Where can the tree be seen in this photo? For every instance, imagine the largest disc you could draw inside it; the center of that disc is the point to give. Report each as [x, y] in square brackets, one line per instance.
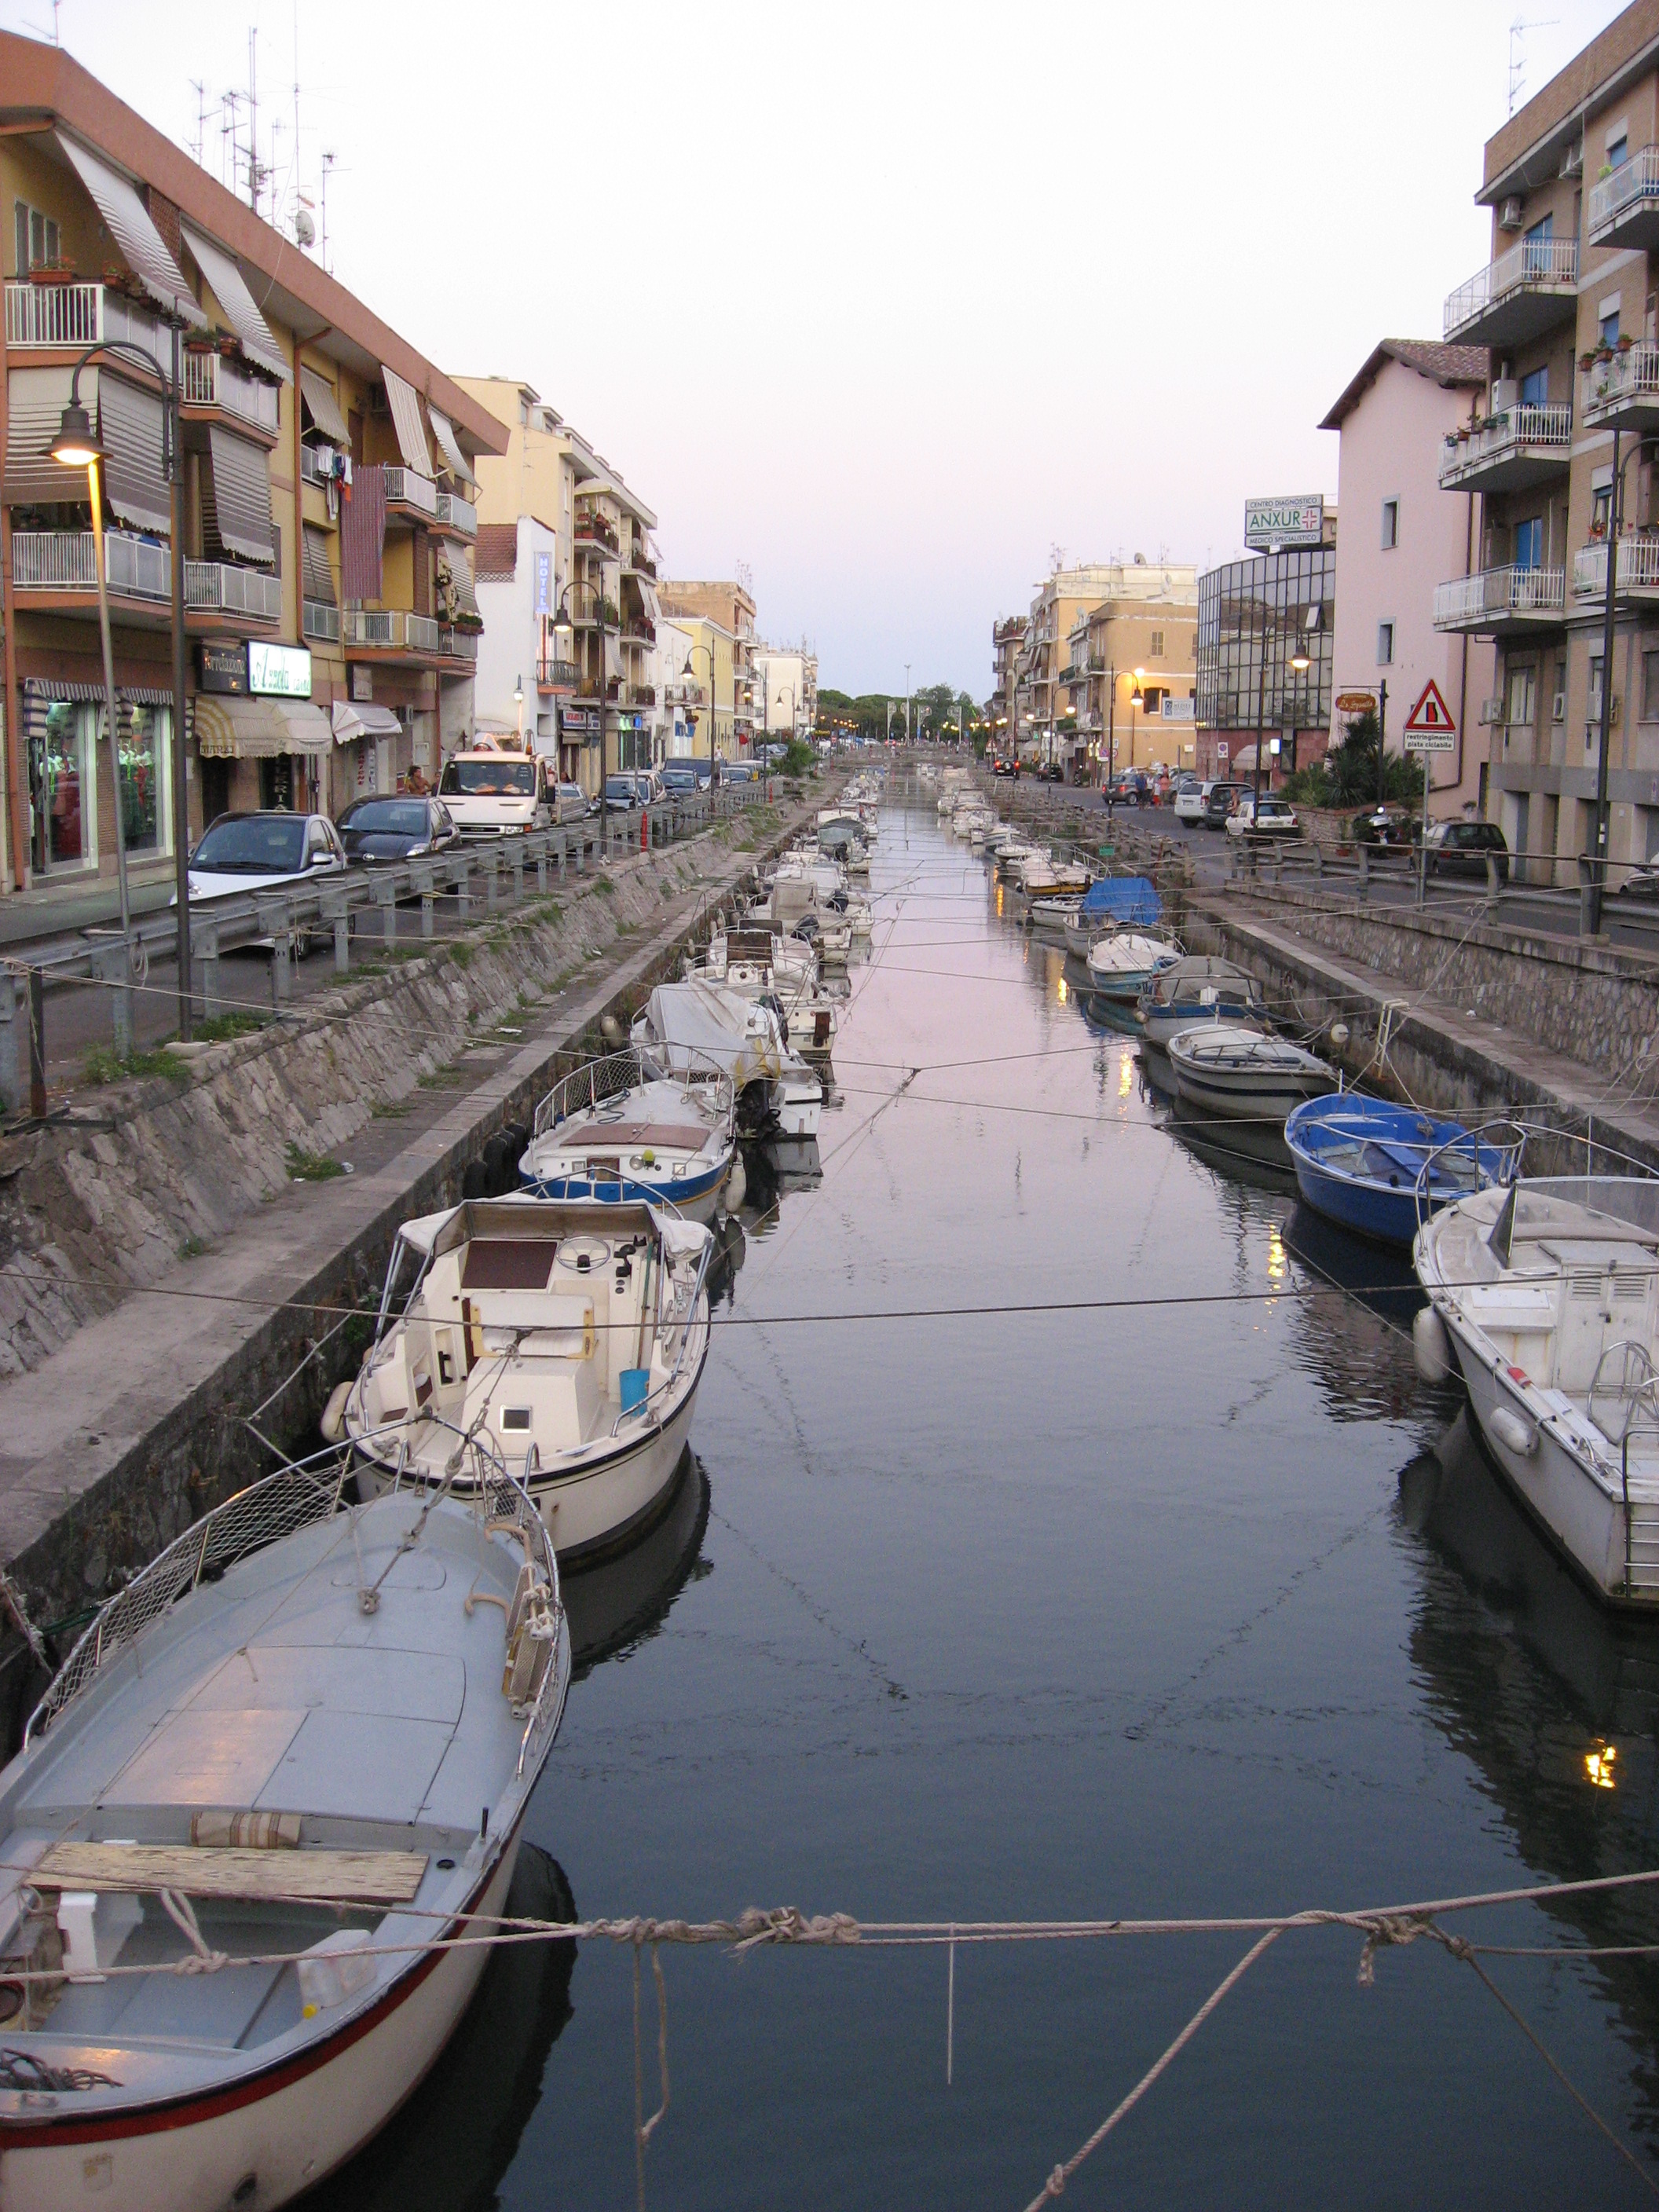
[1346, 777]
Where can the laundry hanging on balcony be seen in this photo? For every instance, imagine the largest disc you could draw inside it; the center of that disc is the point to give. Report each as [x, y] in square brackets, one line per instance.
[405, 404]
[128, 222]
[455, 459]
[236, 514]
[230, 290]
[362, 536]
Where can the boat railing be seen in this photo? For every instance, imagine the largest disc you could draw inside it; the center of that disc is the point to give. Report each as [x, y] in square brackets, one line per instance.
[298, 1493]
[1505, 1156]
[599, 1083]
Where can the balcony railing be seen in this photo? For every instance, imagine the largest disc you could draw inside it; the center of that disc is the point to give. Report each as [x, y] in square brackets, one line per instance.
[1636, 569]
[388, 629]
[234, 591]
[458, 644]
[642, 695]
[1621, 196]
[80, 315]
[1508, 443]
[1623, 389]
[685, 694]
[1537, 266]
[62, 561]
[320, 620]
[594, 529]
[211, 380]
[639, 629]
[641, 563]
[408, 488]
[1498, 594]
[459, 513]
[557, 675]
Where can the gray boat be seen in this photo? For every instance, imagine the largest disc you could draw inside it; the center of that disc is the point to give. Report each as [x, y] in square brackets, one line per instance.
[292, 1756]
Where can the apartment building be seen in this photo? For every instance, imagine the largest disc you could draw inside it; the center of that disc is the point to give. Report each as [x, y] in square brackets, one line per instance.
[1008, 640]
[1130, 680]
[1564, 310]
[585, 617]
[722, 615]
[1396, 421]
[1043, 721]
[787, 688]
[322, 466]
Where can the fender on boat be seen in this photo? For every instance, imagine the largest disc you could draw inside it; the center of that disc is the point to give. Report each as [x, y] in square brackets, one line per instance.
[1430, 1346]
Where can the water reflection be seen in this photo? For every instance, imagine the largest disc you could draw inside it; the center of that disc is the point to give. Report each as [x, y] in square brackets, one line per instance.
[620, 1604]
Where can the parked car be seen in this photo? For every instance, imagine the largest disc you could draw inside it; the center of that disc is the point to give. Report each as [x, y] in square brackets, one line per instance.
[396, 828]
[1189, 799]
[620, 793]
[570, 803]
[1219, 801]
[681, 778]
[261, 851]
[1129, 787]
[739, 772]
[1460, 848]
[1640, 882]
[1382, 825]
[1001, 767]
[1266, 817]
[492, 791]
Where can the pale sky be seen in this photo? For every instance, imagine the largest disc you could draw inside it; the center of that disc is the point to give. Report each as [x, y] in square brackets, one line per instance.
[886, 300]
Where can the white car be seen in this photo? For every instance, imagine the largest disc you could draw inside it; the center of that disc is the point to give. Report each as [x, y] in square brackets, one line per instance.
[1189, 802]
[1266, 817]
[241, 853]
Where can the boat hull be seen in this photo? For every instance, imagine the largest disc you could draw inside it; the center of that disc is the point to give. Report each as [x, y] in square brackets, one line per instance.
[1387, 1217]
[694, 1196]
[1257, 1098]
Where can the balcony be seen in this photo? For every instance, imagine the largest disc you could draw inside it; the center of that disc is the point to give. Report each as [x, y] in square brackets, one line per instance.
[320, 620]
[1635, 574]
[458, 644]
[1623, 393]
[388, 629]
[606, 612]
[557, 675]
[685, 695]
[640, 563]
[1624, 208]
[458, 514]
[1522, 446]
[62, 561]
[408, 489]
[1524, 292]
[216, 587]
[639, 629]
[642, 695]
[1502, 602]
[211, 380]
[75, 316]
[594, 529]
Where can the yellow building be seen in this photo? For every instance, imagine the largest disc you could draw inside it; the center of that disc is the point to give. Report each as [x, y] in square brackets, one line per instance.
[728, 613]
[1130, 682]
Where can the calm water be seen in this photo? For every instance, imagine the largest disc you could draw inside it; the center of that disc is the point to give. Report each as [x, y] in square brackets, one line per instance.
[1183, 1608]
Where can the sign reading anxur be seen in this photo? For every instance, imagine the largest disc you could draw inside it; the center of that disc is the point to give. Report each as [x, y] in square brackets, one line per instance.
[280, 672]
[1299, 520]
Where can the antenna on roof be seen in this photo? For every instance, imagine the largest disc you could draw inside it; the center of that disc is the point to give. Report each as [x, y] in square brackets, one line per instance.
[330, 157]
[1517, 51]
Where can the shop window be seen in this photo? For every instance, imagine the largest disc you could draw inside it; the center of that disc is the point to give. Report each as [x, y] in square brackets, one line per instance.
[145, 736]
[63, 788]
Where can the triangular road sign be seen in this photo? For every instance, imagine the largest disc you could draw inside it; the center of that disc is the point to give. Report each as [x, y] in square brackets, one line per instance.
[1430, 716]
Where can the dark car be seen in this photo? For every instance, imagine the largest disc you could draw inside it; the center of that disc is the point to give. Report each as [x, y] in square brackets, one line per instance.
[1460, 848]
[1000, 767]
[396, 828]
[1223, 797]
[680, 779]
[620, 793]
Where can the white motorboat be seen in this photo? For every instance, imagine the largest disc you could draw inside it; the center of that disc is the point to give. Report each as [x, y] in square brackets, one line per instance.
[291, 1756]
[623, 1127]
[774, 1084]
[1547, 1291]
[1201, 988]
[1122, 964]
[573, 1345]
[1054, 911]
[755, 965]
[1244, 1072]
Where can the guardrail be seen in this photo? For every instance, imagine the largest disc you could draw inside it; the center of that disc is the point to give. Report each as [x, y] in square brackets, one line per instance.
[501, 871]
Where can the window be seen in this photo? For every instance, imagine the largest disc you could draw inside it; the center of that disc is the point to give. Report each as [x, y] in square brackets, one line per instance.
[1522, 697]
[1650, 686]
[1538, 256]
[145, 734]
[1608, 327]
[1384, 644]
[1157, 644]
[1535, 388]
[1593, 706]
[1618, 151]
[61, 786]
[1529, 543]
[1558, 702]
[1390, 525]
[34, 237]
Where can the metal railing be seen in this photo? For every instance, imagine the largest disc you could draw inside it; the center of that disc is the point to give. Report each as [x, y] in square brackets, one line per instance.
[62, 561]
[211, 380]
[391, 628]
[1637, 179]
[1463, 451]
[1632, 374]
[459, 513]
[593, 530]
[1636, 570]
[1500, 591]
[320, 620]
[408, 488]
[557, 675]
[458, 644]
[1534, 263]
[80, 315]
[234, 591]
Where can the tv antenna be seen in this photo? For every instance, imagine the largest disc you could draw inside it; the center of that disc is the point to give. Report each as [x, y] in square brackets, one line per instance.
[1518, 53]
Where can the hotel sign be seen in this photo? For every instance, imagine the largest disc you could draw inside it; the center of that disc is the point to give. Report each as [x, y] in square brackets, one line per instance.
[1299, 520]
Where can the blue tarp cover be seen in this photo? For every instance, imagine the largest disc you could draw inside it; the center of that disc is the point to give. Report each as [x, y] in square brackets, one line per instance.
[1127, 898]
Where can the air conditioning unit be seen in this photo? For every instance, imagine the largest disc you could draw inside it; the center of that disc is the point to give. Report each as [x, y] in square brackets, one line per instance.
[1508, 216]
[1572, 161]
[1491, 710]
[1559, 710]
[1506, 394]
[1593, 712]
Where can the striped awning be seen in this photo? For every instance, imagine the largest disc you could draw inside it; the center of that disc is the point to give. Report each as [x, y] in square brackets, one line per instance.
[36, 398]
[238, 518]
[128, 222]
[325, 408]
[455, 561]
[355, 719]
[260, 729]
[230, 290]
[316, 576]
[130, 423]
[455, 459]
[405, 403]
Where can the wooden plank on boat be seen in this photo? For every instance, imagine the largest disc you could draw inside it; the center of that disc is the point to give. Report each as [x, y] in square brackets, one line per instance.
[315, 1876]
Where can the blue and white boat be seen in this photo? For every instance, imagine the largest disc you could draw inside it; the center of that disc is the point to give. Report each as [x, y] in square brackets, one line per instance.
[1112, 902]
[1123, 962]
[630, 1127]
[1363, 1163]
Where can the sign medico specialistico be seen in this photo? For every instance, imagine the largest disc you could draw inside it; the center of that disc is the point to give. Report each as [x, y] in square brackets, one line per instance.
[278, 672]
[1298, 521]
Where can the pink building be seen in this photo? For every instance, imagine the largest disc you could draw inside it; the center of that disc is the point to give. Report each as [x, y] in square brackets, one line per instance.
[1400, 536]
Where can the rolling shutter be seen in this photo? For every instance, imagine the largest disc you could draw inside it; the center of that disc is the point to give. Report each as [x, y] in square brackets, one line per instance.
[324, 409]
[317, 577]
[406, 415]
[455, 459]
[238, 520]
[230, 290]
[128, 222]
[130, 423]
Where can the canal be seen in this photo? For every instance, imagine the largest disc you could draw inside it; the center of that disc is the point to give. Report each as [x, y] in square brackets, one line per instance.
[1064, 1543]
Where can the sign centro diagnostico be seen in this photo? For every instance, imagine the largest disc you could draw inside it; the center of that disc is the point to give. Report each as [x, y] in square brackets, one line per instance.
[279, 671]
[1297, 521]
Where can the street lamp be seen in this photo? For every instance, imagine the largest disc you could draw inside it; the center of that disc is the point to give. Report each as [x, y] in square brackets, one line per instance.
[707, 651]
[1137, 698]
[518, 702]
[77, 446]
[1598, 872]
[1300, 661]
[564, 622]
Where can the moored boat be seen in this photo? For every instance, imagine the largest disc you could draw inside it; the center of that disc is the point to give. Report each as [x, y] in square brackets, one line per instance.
[1111, 902]
[1121, 964]
[747, 1038]
[624, 1127]
[1375, 1167]
[1201, 988]
[1244, 1072]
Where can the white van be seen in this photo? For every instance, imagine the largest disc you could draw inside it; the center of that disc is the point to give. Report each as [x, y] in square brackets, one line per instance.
[493, 790]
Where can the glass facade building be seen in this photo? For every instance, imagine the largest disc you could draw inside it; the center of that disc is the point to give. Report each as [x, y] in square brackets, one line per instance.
[1252, 616]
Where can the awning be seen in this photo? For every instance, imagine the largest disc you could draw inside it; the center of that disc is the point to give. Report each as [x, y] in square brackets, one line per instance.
[648, 599]
[455, 459]
[230, 290]
[237, 518]
[325, 408]
[36, 398]
[259, 729]
[316, 576]
[129, 224]
[460, 572]
[355, 719]
[406, 415]
[129, 422]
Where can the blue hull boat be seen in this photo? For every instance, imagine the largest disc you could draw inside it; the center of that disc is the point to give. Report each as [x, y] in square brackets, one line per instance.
[1361, 1163]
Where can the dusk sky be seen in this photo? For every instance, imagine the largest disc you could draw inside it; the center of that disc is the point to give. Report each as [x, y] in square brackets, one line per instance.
[886, 302]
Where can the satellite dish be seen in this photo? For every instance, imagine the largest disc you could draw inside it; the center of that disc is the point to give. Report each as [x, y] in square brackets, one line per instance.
[304, 229]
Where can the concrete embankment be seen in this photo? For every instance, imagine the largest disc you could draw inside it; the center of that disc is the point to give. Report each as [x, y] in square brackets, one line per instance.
[167, 1273]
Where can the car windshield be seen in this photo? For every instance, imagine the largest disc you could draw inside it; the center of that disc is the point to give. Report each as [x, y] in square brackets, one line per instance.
[386, 817]
[619, 786]
[489, 778]
[254, 844]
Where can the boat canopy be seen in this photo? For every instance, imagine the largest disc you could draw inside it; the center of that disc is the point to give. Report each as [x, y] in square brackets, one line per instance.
[1133, 899]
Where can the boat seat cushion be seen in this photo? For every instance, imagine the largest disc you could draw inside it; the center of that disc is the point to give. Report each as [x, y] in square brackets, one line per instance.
[312, 1876]
[508, 1263]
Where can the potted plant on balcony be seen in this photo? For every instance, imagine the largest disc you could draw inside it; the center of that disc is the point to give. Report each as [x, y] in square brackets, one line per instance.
[1624, 343]
[1587, 360]
[60, 272]
[1603, 355]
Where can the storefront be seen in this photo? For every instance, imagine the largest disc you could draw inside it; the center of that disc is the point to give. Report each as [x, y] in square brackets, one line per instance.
[372, 749]
[262, 752]
[1256, 620]
[70, 792]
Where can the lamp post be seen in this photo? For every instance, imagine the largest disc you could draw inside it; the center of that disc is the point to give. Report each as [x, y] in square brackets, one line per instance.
[77, 446]
[518, 702]
[1598, 872]
[707, 651]
[1137, 698]
[1111, 740]
[1300, 661]
[564, 621]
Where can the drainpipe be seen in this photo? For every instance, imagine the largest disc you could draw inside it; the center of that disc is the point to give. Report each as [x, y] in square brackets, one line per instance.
[1463, 669]
[14, 764]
